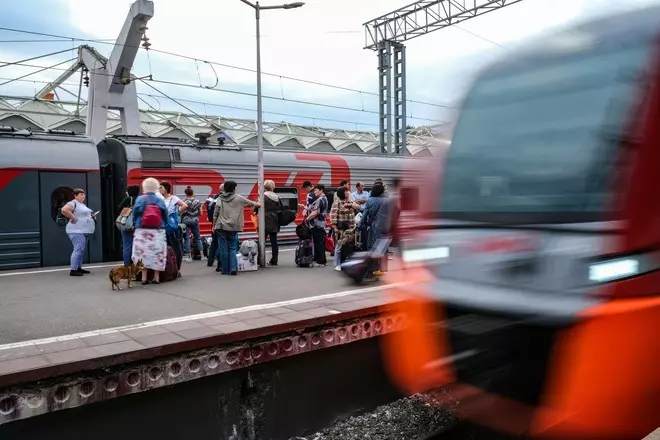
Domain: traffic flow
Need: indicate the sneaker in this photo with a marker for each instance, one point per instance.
(83, 271)
(188, 259)
(75, 273)
(338, 268)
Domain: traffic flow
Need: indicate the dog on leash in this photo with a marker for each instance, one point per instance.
(127, 273)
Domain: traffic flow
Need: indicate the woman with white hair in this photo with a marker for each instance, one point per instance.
(149, 241)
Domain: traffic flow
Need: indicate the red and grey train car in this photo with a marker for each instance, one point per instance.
(38, 172)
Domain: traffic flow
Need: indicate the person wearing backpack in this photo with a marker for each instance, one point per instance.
(175, 206)
(81, 224)
(149, 239)
(132, 193)
(190, 218)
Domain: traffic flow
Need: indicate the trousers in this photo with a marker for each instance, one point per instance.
(79, 242)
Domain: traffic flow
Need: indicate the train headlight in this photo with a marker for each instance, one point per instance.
(425, 255)
(612, 270)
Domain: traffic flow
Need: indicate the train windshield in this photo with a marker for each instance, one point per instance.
(537, 138)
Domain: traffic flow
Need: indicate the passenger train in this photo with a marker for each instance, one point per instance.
(38, 172)
(533, 271)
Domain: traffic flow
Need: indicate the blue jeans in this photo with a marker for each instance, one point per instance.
(126, 246)
(227, 250)
(192, 225)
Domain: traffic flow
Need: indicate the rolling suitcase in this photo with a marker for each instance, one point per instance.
(361, 265)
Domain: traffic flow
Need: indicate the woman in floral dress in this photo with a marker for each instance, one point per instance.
(150, 243)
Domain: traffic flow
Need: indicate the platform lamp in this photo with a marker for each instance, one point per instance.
(260, 132)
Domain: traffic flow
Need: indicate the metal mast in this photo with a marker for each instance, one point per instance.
(111, 85)
(386, 35)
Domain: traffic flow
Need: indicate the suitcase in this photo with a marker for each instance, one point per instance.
(361, 265)
(304, 253)
(169, 274)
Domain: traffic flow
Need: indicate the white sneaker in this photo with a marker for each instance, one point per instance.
(187, 259)
(338, 268)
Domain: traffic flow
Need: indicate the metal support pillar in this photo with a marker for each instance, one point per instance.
(392, 97)
(400, 125)
(385, 96)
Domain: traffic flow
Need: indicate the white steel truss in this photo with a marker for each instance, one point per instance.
(40, 114)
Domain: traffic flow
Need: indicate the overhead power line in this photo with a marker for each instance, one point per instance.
(236, 92)
(229, 66)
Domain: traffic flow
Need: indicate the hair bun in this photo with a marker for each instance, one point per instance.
(188, 187)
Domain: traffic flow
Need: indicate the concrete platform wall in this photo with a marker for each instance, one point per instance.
(277, 400)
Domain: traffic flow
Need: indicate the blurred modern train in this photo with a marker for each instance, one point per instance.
(38, 172)
(533, 270)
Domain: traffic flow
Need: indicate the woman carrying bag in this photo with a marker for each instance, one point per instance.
(124, 222)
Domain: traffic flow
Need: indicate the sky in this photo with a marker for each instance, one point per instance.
(320, 42)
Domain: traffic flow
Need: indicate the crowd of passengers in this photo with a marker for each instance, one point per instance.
(355, 217)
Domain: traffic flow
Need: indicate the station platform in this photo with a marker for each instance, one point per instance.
(72, 342)
(46, 303)
(51, 319)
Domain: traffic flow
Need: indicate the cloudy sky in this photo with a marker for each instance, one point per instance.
(321, 42)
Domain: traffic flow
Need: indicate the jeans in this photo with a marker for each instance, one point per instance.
(228, 248)
(192, 225)
(274, 246)
(173, 240)
(337, 258)
(79, 242)
(318, 235)
(126, 246)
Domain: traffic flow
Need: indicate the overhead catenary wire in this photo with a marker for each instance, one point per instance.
(36, 71)
(13, 63)
(276, 98)
(229, 66)
(212, 104)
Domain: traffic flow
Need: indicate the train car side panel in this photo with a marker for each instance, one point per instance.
(20, 238)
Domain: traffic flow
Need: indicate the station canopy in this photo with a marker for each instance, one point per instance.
(44, 114)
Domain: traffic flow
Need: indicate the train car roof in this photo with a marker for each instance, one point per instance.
(191, 147)
(54, 150)
(572, 39)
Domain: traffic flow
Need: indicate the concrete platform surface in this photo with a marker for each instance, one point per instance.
(49, 303)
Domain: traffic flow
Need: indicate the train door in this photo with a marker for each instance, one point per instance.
(56, 189)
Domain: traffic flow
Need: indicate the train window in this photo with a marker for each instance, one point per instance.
(156, 157)
(288, 196)
(409, 199)
(176, 155)
(58, 198)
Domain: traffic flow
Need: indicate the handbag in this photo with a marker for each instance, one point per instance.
(124, 220)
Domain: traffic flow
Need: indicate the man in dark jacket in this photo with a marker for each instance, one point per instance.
(213, 248)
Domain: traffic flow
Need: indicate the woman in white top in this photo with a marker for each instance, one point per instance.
(82, 223)
(172, 202)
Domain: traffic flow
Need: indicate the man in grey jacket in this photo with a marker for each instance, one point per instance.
(228, 220)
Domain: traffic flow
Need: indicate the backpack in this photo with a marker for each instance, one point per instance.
(285, 216)
(151, 217)
(61, 220)
(172, 222)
